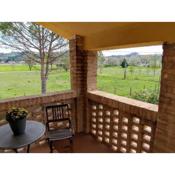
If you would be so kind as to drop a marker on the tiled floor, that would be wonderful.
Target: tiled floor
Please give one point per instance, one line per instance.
(82, 144)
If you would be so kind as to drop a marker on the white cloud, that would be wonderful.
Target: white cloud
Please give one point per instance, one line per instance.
(141, 50)
(2, 50)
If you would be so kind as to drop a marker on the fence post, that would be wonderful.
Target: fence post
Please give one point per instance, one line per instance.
(130, 91)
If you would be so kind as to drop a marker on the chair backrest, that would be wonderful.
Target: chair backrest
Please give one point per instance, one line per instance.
(58, 113)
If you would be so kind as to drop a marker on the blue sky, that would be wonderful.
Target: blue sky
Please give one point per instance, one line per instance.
(141, 50)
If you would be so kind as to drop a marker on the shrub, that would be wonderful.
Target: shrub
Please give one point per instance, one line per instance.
(146, 95)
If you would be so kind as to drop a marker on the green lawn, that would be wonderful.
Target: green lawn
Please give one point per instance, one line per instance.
(17, 80)
(21, 83)
(16, 67)
(111, 80)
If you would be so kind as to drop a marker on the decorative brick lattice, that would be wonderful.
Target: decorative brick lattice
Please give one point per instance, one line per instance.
(121, 130)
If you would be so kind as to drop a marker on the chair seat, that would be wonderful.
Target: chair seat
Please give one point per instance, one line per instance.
(59, 134)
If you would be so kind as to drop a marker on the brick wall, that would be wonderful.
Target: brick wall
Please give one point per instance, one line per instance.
(34, 100)
(165, 132)
(35, 105)
(125, 125)
(83, 69)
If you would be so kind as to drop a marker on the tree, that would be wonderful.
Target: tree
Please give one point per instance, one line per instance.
(124, 65)
(39, 44)
(154, 65)
(29, 62)
(101, 60)
(63, 62)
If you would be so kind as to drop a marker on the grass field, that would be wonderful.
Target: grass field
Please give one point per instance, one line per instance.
(111, 79)
(21, 82)
(16, 67)
(17, 80)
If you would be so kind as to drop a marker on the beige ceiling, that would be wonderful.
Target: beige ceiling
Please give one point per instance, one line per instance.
(109, 35)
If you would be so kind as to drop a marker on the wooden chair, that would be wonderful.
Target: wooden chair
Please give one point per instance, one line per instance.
(58, 124)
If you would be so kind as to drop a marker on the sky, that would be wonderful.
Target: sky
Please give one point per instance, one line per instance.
(5, 50)
(141, 50)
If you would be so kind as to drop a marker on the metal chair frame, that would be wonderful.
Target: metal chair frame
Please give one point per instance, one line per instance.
(60, 113)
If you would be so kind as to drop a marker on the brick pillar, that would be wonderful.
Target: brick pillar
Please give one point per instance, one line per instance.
(165, 132)
(83, 69)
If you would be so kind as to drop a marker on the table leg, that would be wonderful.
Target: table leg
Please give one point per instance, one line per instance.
(28, 148)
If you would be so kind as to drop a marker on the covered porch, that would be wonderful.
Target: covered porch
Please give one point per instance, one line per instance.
(105, 122)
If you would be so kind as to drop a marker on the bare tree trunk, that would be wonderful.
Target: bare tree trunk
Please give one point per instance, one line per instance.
(30, 67)
(124, 74)
(43, 78)
(51, 66)
(43, 85)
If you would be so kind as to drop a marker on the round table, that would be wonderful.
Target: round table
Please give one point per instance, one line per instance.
(34, 130)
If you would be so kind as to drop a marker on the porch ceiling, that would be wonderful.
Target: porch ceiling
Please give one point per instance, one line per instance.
(108, 35)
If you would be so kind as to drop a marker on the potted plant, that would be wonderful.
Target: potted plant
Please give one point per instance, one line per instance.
(17, 120)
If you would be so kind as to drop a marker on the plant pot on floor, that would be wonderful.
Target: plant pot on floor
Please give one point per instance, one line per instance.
(17, 120)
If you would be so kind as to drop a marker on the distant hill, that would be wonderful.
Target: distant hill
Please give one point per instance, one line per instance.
(134, 59)
(12, 56)
(126, 55)
(17, 56)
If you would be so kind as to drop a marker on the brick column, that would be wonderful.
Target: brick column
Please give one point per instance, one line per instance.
(165, 132)
(83, 69)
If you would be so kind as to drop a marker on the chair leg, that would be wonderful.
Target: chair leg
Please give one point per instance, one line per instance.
(28, 148)
(71, 144)
(51, 146)
(47, 140)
